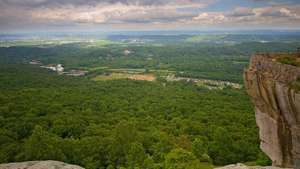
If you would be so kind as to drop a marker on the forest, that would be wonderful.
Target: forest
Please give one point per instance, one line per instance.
(112, 124)
(123, 123)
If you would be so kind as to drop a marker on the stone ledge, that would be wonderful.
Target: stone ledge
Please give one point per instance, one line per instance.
(39, 165)
(242, 166)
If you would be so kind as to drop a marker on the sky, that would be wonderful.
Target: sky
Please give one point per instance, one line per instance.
(106, 15)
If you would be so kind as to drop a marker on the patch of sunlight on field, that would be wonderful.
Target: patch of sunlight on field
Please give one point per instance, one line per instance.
(117, 76)
(97, 68)
(103, 42)
(99, 43)
(136, 70)
(39, 42)
(30, 43)
(205, 38)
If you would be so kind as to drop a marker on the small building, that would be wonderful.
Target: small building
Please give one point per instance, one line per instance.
(127, 52)
(59, 68)
(35, 62)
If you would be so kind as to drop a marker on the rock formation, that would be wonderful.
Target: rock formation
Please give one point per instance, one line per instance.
(39, 165)
(277, 107)
(242, 166)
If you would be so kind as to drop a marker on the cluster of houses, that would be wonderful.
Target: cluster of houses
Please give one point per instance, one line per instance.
(210, 84)
(127, 52)
(76, 73)
(59, 69)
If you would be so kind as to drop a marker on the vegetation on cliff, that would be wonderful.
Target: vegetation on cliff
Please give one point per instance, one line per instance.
(289, 59)
(296, 84)
(292, 59)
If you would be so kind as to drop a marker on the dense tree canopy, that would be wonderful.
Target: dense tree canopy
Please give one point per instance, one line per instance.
(128, 124)
(111, 124)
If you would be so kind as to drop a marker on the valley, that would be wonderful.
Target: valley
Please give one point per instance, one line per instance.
(153, 102)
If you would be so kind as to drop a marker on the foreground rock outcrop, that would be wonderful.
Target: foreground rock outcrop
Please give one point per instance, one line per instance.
(242, 166)
(277, 107)
(39, 165)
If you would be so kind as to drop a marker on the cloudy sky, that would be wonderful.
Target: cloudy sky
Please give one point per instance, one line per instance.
(55, 15)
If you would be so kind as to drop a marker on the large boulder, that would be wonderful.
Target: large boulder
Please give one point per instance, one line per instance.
(277, 105)
(39, 165)
(242, 166)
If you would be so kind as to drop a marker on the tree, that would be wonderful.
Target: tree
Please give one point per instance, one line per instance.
(200, 149)
(149, 163)
(124, 134)
(181, 159)
(136, 155)
(263, 159)
(42, 145)
(68, 126)
(8, 152)
(220, 149)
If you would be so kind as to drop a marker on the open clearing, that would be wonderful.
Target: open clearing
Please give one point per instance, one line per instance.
(116, 76)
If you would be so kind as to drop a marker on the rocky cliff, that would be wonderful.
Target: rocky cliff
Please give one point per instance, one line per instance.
(277, 105)
(39, 165)
(242, 166)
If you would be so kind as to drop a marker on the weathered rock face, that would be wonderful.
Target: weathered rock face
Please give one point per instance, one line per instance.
(242, 166)
(39, 165)
(277, 107)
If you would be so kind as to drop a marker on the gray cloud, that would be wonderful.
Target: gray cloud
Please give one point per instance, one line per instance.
(52, 3)
(139, 13)
(241, 12)
(276, 2)
(102, 11)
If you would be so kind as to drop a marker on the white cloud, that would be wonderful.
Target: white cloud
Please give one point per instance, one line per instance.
(139, 13)
(116, 13)
(210, 18)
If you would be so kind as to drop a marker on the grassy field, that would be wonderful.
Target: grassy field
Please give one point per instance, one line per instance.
(117, 76)
(205, 38)
(54, 42)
